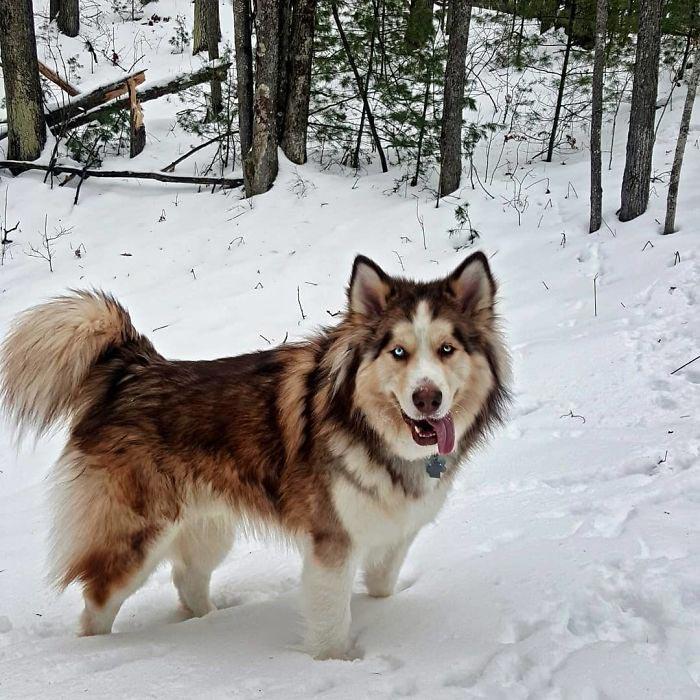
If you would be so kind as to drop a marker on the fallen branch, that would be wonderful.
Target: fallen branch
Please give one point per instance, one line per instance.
(171, 167)
(88, 100)
(686, 364)
(21, 165)
(143, 94)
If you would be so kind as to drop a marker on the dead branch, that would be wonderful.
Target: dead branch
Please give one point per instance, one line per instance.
(84, 115)
(21, 165)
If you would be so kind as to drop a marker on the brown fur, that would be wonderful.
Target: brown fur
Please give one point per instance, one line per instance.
(259, 435)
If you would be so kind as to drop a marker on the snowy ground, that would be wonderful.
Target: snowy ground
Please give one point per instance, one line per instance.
(567, 562)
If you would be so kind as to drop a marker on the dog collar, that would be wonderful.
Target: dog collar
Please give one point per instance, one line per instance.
(435, 466)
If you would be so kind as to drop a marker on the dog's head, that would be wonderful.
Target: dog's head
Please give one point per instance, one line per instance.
(432, 356)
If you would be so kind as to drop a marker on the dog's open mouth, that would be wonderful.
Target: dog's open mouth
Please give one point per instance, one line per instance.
(433, 431)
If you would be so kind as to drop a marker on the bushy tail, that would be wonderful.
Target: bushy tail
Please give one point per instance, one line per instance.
(50, 352)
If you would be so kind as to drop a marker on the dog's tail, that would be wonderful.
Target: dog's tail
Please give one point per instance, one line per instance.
(51, 351)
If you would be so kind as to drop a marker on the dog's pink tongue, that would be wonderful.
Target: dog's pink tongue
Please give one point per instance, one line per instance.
(445, 431)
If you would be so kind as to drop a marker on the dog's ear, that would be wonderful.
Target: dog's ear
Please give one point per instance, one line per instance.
(472, 284)
(369, 287)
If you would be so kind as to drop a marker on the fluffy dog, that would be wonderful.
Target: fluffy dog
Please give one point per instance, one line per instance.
(345, 444)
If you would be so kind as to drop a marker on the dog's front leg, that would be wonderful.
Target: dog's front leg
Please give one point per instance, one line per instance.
(326, 590)
(382, 566)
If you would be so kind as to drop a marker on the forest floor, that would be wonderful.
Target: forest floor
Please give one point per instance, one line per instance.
(566, 564)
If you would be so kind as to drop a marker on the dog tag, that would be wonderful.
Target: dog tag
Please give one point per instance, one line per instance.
(435, 466)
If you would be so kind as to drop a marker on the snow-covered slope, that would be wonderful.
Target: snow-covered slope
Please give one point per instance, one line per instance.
(567, 561)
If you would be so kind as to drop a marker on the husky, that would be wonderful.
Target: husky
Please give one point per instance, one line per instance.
(346, 444)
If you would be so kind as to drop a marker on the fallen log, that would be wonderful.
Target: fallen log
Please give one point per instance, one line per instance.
(58, 80)
(215, 69)
(94, 98)
(18, 166)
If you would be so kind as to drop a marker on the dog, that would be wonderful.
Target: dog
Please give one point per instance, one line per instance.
(345, 445)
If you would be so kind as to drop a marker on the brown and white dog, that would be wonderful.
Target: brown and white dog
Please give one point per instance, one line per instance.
(345, 444)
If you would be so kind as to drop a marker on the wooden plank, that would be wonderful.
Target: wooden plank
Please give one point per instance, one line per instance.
(58, 80)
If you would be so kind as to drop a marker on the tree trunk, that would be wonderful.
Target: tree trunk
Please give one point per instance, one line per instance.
(640, 137)
(203, 9)
(355, 162)
(69, 17)
(212, 33)
(360, 85)
(419, 29)
(283, 60)
(54, 8)
(562, 83)
(674, 180)
(242, 33)
(25, 111)
(455, 72)
(260, 163)
(296, 118)
(601, 22)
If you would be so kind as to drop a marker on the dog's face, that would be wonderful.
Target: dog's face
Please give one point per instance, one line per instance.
(430, 364)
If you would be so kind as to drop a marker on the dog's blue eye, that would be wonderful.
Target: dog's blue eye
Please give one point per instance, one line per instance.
(398, 353)
(446, 349)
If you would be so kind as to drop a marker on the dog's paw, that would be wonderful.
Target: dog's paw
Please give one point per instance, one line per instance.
(378, 590)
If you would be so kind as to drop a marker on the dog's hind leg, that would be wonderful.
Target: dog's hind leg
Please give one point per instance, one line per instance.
(200, 546)
(114, 579)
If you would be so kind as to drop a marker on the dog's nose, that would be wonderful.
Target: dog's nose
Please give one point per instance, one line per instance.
(427, 399)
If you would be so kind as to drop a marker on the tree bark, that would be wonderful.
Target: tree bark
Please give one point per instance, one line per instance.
(562, 83)
(25, 111)
(453, 105)
(360, 86)
(203, 9)
(283, 60)
(242, 31)
(296, 117)
(674, 180)
(260, 163)
(212, 34)
(54, 7)
(69, 17)
(640, 137)
(601, 22)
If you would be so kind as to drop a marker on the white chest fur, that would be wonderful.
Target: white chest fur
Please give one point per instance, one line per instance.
(376, 511)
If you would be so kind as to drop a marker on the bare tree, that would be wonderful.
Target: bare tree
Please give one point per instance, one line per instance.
(296, 117)
(260, 163)
(453, 105)
(562, 82)
(640, 137)
(675, 178)
(601, 22)
(242, 32)
(25, 112)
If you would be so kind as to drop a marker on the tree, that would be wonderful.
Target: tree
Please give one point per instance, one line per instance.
(562, 81)
(597, 116)
(296, 117)
(419, 28)
(25, 112)
(640, 137)
(260, 163)
(674, 180)
(68, 18)
(455, 73)
(242, 32)
(203, 10)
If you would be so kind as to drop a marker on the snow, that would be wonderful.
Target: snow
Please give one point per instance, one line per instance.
(566, 563)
